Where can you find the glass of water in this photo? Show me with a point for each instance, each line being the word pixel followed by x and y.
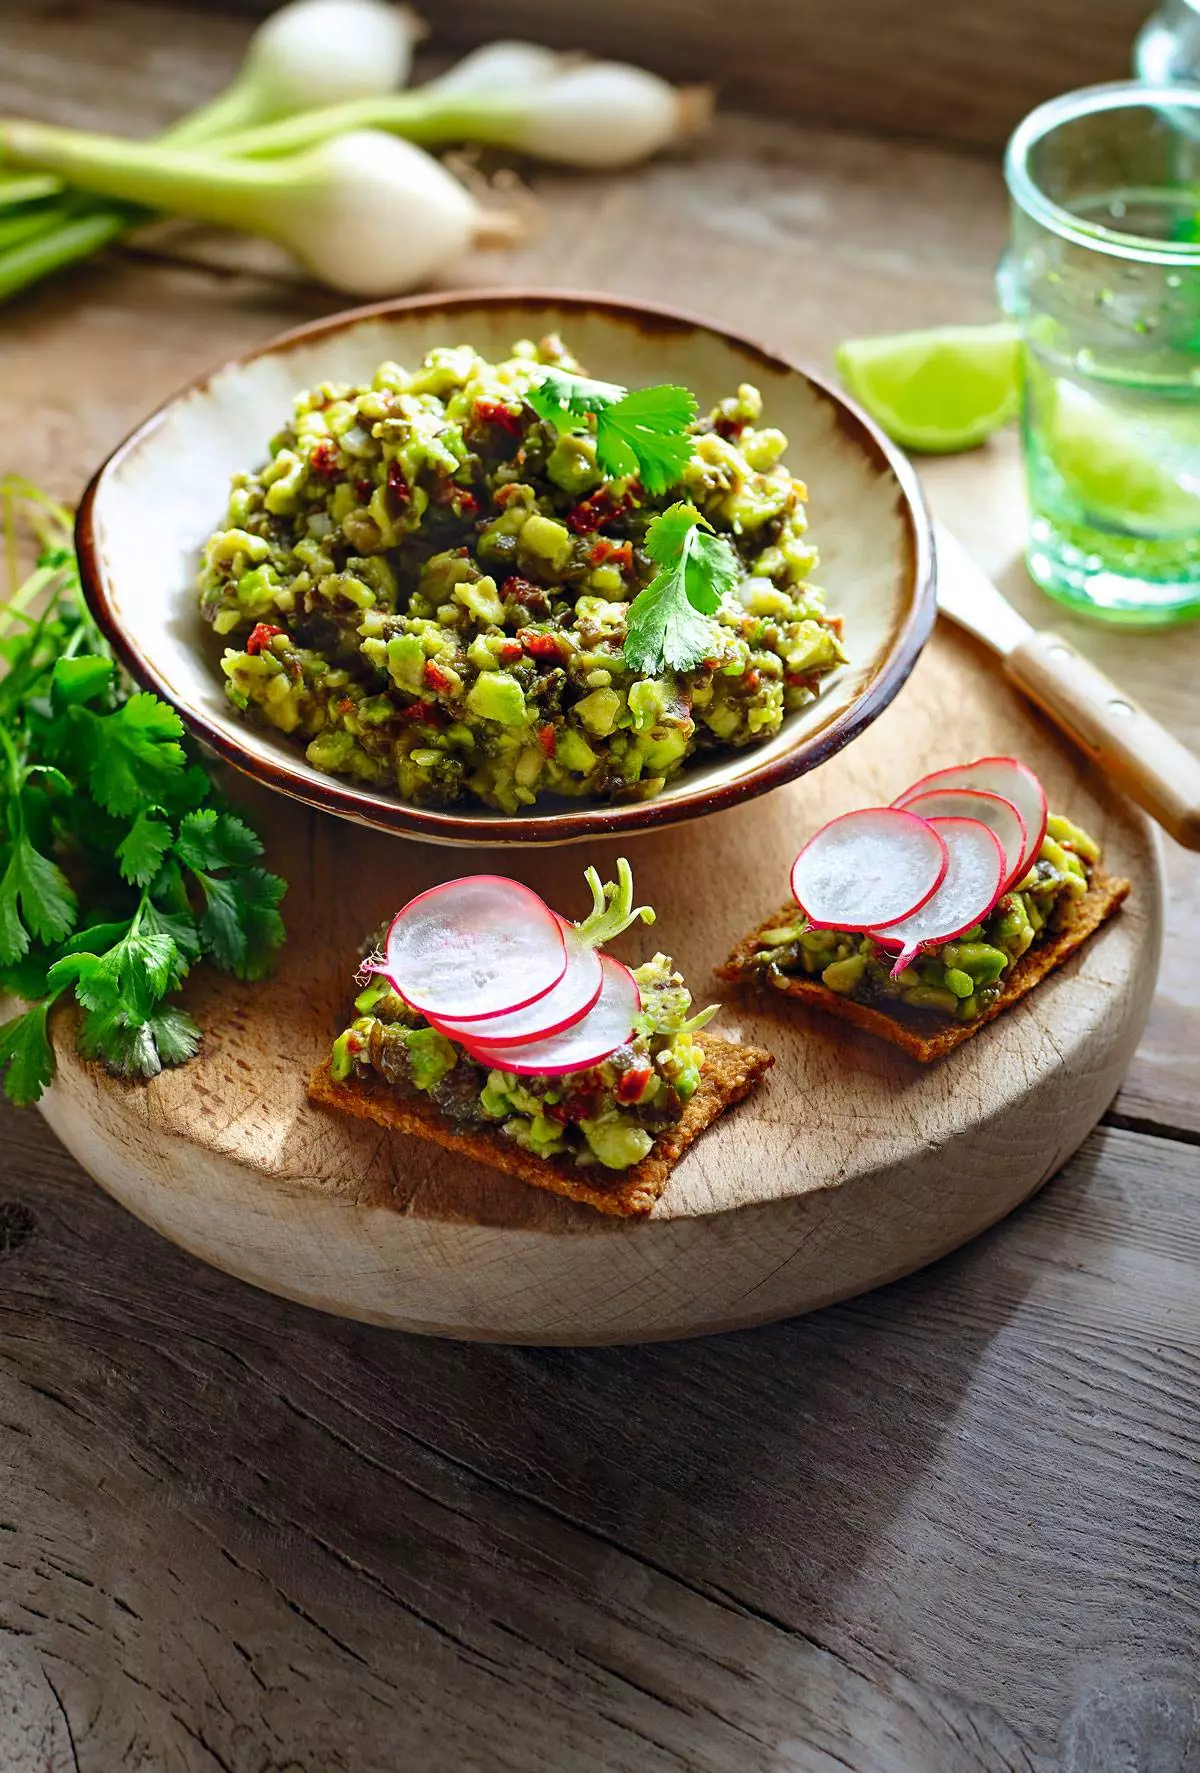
pixel 1103 278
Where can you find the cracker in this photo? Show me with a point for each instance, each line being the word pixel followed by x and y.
pixel 730 1073
pixel 921 1037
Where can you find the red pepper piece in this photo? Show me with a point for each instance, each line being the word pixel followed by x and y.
pixel 323 460
pixel 399 490
pixel 436 678
pixel 547 738
pixel 261 636
pixel 620 553
pixel 631 1085
pixel 426 711
pixel 752 681
pixel 510 652
pixel 590 514
pixel 494 412
pixel 542 646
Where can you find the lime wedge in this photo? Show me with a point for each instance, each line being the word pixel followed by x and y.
pixel 1141 471
pixel 937 391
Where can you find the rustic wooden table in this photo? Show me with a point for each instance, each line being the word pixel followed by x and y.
pixel 952 1525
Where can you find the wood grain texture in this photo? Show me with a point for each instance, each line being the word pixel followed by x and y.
pixel 960 71
pixel 950 1526
pixel 850 1165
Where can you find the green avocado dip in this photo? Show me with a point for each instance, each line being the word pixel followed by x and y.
pixel 610 1114
pixel 428 586
pixel 959 979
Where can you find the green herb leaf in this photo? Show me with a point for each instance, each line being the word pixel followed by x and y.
pixel 647 434
pixel 26 978
pixel 26 1056
pixel 130 977
pixel 141 853
pixel 209 839
pixel 135 760
pixel 139 1048
pixel 35 901
pixel 643 432
pixel 241 926
pixel 77 681
pixel 669 622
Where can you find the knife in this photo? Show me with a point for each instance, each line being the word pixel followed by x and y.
pixel 1125 742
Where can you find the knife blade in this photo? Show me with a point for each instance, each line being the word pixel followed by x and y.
pixel 1125 742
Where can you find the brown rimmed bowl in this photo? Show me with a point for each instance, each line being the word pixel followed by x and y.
pixel 150 508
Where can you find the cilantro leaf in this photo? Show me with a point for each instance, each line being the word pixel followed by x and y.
pixel 241 926
pixel 646 434
pixel 130 977
pixel 25 978
pixel 141 853
pixel 180 926
pixel 208 839
pixel 26 1056
pixel 134 758
pixel 76 681
pixel 138 1048
pixel 643 432
pixel 35 901
pixel 669 624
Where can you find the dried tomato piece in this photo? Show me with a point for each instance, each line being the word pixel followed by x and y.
pixel 727 427
pixel 494 412
pixel 261 635
pixel 547 738
pixel 510 652
pixel 399 491
pixel 591 513
pixel 620 553
pixel 631 1085
pixel 436 677
pixel 324 460
pixel 427 711
pixel 543 646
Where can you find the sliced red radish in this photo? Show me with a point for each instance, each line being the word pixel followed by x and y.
pixel 868 868
pixel 996 775
pixel 992 810
pixel 968 892
pixel 607 1026
pixel 475 948
pixel 561 1007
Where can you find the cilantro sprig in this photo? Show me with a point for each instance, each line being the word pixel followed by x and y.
pixel 669 623
pixel 119 868
pixel 642 432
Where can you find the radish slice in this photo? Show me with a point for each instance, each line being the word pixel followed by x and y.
pixel 607 1026
pixel 475 948
pixel 996 775
pixel 970 889
pixel 565 1004
pixel 992 810
pixel 867 869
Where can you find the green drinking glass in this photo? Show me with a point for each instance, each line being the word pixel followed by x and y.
pixel 1103 279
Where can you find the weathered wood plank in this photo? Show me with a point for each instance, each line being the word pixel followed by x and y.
pixel 962 71
pixel 952 1524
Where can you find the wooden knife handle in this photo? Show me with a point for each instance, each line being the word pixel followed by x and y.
pixel 1141 756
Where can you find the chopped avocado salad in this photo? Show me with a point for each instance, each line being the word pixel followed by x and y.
pixel 1008 877
pixel 497 581
pixel 590 1071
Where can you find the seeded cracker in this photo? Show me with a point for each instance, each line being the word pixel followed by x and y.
pixel 730 1073
pixel 924 1037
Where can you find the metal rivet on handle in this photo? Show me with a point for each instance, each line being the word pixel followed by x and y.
pixel 1116 706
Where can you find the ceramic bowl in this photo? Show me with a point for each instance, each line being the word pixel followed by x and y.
pixel 149 509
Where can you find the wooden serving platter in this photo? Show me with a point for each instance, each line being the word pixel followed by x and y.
pixel 850 1167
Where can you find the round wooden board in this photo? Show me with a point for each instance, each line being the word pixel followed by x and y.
pixel 850 1167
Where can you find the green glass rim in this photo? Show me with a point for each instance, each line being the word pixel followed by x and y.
pixel 1117 95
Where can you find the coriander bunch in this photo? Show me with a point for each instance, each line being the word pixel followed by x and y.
pixel 120 869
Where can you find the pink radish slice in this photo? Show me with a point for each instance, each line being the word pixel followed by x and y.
pixel 868 868
pixel 607 1025
pixel 996 775
pixel 970 889
pixel 992 810
pixel 475 948
pixel 565 1004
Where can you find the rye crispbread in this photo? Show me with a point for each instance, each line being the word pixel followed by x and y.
pixel 730 1073
pixel 921 1034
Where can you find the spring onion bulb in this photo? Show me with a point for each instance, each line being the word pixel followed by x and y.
pixel 513 95
pixel 313 52
pixel 365 212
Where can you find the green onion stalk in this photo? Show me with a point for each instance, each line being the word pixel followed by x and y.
pixel 297 59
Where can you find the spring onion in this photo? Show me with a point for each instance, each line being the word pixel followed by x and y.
pixel 366 212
